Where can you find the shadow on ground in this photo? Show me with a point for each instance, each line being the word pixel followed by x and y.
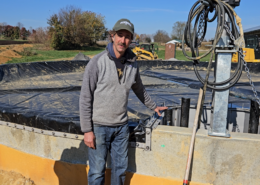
pixel 72 167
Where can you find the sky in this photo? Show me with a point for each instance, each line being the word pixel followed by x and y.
pixel 147 16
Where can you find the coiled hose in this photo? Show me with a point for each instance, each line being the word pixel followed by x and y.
pixel 200 11
pixel 194 37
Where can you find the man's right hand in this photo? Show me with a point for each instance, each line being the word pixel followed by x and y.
pixel 89 140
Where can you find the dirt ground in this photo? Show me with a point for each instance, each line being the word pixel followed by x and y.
pixel 70 58
pixel 11 51
pixel 13 178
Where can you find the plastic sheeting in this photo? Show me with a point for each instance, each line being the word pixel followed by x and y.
pixel 188 65
pixel 46 94
pixel 42 94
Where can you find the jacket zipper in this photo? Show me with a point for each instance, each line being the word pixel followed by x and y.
pixel 124 73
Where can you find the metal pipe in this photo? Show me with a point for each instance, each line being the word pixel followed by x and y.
pixel 254 118
pixel 168 117
pixel 185 112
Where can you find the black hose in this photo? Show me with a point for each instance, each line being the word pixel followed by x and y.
pixel 200 11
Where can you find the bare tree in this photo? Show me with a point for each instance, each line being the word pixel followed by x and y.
pixel 142 37
pixel 3 23
pixel 161 36
pixel 178 30
pixel 148 39
pixel 40 35
pixel 30 29
pixel 20 25
pixel 150 36
pixel 2 27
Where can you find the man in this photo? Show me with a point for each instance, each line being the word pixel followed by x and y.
pixel 107 80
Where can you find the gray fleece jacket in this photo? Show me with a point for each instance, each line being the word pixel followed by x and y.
pixel 103 97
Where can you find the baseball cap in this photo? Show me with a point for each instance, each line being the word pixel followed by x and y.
pixel 124 24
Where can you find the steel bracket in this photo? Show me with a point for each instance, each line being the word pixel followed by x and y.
pixel 41 131
pixel 148 127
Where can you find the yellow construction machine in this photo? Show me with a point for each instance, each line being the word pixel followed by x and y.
pixel 252 50
pixel 146 52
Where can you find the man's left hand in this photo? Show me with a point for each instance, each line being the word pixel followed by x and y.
pixel 158 109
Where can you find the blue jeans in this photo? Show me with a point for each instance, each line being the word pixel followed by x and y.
pixel 114 140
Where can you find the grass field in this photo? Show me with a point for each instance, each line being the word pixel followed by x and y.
pixel 40 53
pixel 49 55
pixel 180 56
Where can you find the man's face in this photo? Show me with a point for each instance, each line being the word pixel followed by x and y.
pixel 122 40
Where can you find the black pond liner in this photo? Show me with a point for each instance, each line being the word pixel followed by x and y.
pixel 46 94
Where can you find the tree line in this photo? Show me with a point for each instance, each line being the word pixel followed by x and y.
pixel 72 28
pixel 14 32
pixel 162 36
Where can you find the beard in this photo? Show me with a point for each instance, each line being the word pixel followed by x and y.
pixel 122 44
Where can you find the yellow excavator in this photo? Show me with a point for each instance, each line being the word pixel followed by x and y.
pixel 146 52
pixel 252 50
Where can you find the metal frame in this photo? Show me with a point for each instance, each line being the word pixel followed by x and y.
pixel 153 123
pixel 41 131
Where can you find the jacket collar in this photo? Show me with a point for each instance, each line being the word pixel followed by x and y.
pixel 129 55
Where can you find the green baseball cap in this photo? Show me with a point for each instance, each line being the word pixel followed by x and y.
pixel 124 24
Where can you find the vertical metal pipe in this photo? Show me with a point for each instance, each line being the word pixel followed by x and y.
pixel 167 120
pixel 254 118
pixel 218 124
pixel 185 112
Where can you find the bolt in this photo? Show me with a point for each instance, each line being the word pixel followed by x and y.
pixel 53 133
pixel 24 127
pixel 64 135
pixel 137 144
pixel 32 129
pixel 76 136
pixel 7 124
pixel 147 148
pixel 42 131
pixel 147 132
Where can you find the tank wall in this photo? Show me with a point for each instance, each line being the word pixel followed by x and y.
pixel 216 160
